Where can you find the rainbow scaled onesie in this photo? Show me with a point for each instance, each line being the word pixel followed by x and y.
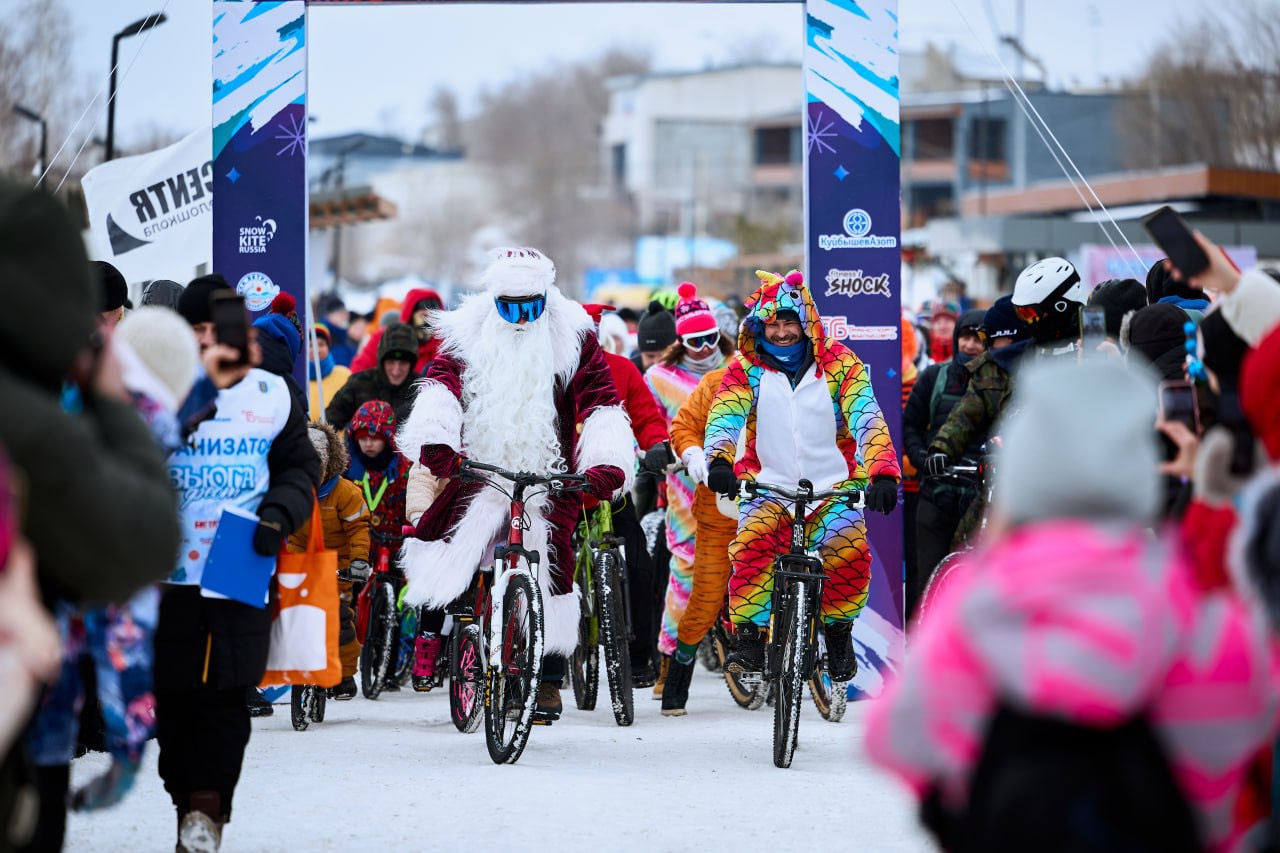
pixel 827 428
pixel 671 386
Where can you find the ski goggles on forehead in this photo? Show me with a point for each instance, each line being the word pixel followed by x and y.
pixel 515 309
pixel 700 340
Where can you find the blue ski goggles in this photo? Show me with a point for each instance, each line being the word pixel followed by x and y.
pixel 515 309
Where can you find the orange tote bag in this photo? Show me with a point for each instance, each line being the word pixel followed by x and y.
pixel 304 628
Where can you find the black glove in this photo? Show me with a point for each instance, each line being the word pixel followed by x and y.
pixel 720 478
pixel 936 464
pixel 658 458
pixel 269 538
pixel 882 495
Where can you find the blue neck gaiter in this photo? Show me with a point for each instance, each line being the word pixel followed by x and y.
pixel 326 367
pixel 790 356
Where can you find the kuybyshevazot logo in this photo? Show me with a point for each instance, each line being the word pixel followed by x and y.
pixel 856 283
pixel 258 290
pixel 254 238
pixel 857 234
pixel 839 327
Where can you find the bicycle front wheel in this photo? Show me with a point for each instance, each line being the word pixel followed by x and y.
pixel 466 681
pixel 613 635
pixel 792 625
pixel 513 684
pixel 380 642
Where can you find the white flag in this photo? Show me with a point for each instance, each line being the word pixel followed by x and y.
pixel 151 215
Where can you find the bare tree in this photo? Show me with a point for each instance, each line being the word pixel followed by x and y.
pixel 445 117
pixel 1210 92
pixel 35 67
pixel 540 137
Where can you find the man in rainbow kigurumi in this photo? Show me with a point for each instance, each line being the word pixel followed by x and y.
pixel 806 406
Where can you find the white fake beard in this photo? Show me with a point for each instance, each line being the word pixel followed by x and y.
pixel 508 397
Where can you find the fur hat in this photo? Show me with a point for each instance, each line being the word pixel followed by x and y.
pixel 165 346
pixel 331 449
pixel 656 330
pixel 693 315
pixel 1081 444
pixel 518 272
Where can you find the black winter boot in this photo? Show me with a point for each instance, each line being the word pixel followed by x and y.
pixel 748 656
pixel 842 665
pixel 676 693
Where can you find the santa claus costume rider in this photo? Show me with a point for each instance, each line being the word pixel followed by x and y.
pixel 520 382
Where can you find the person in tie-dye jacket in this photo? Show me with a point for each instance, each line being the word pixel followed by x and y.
pixel 801 406
pixel 1072 614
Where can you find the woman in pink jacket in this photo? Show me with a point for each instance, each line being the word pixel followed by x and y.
pixel 1073 613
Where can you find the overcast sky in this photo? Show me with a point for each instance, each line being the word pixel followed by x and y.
pixel 371 67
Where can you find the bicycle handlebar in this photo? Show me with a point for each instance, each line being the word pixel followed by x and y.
pixel 558 482
pixel 752 488
pixel 963 469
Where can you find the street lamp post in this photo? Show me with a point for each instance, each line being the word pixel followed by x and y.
pixel 132 30
pixel 28 113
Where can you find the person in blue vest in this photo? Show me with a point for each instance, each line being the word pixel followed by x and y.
pixel 247 448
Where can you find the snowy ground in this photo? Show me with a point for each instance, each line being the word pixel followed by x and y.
pixel 386 774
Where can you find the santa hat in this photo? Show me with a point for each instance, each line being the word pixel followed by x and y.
pixel 693 315
pixel 518 272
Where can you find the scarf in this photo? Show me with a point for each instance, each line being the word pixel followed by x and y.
pixel 791 357
pixel 702 365
pixel 1006 356
pixel 326 367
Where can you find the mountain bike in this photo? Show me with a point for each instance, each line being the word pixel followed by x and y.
pixel 792 648
pixel 467 660
pixel 982 473
pixel 514 615
pixel 605 619
pixel 831 698
pixel 378 617
pixel 307 701
pixel 747 691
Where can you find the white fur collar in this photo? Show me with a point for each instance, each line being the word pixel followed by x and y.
pixel 570 323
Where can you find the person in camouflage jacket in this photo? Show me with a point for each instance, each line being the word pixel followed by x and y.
pixel 991 384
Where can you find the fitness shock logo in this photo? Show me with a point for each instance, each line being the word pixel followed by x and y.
pixel 857 234
pixel 855 283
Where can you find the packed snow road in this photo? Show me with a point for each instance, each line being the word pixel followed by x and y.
pixel 395 774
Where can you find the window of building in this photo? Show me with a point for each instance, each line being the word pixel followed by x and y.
pixel 618 164
pixel 987 139
pixel 934 138
pixel 777 146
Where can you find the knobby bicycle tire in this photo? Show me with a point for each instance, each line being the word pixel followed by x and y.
pixel 831 698
pixel 584 664
pixel 512 695
pixel 299 700
pixel 319 696
pixel 613 634
pixel 466 677
pixel 380 642
pixel 793 623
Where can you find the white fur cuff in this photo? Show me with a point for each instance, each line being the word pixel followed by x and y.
pixel 560 621
pixel 436 418
pixel 606 440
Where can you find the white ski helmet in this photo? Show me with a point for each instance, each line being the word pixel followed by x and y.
pixel 1048 296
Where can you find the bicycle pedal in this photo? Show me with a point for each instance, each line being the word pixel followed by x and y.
pixel 543 719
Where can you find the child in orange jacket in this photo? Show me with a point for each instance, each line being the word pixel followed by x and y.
pixel 346 530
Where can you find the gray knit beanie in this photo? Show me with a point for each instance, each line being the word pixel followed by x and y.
pixel 1080 443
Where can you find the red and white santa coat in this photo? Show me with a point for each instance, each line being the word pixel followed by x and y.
pixel 456 534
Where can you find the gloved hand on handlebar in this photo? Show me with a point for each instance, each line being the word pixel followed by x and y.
pixel 605 480
pixel 720 478
pixel 440 459
pixel 359 570
pixel 695 464
pixel 659 459
pixel 882 495
pixel 936 464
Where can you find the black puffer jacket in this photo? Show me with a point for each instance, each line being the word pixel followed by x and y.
pixel 373 384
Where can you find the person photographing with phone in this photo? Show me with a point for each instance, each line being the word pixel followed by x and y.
pixel 247 449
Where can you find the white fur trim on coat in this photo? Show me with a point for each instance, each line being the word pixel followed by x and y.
pixel 560 615
pixel 606 439
pixel 436 418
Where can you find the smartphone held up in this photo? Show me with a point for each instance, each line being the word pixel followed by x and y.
pixel 1171 233
pixel 231 324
